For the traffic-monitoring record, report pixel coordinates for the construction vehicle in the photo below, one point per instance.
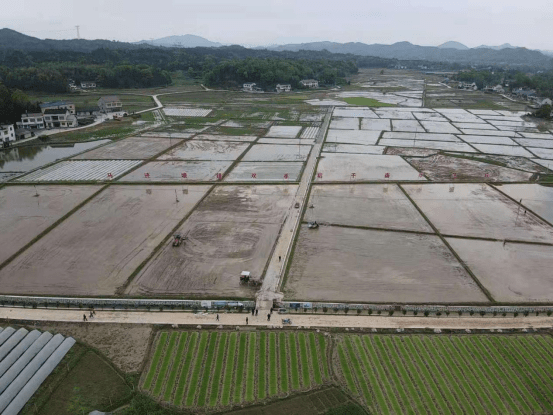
(312, 225)
(247, 278)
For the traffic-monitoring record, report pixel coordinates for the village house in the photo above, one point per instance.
(248, 86)
(498, 89)
(7, 134)
(23, 133)
(58, 105)
(62, 118)
(309, 83)
(88, 85)
(34, 121)
(468, 87)
(110, 103)
(525, 94)
(283, 87)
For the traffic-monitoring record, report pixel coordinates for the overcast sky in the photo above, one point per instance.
(259, 22)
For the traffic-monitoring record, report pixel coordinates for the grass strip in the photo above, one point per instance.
(442, 353)
(426, 393)
(294, 368)
(239, 378)
(160, 348)
(250, 370)
(324, 359)
(441, 379)
(283, 352)
(216, 377)
(206, 369)
(346, 370)
(485, 383)
(511, 370)
(306, 379)
(379, 400)
(518, 406)
(165, 364)
(170, 385)
(183, 377)
(262, 369)
(383, 380)
(273, 371)
(423, 370)
(229, 369)
(195, 375)
(416, 404)
(315, 359)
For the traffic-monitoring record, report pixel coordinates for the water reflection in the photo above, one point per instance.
(21, 159)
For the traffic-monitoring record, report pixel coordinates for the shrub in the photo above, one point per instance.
(460, 313)
(391, 312)
(404, 312)
(471, 312)
(439, 313)
(447, 313)
(325, 309)
(549, 313)
(504, 314)
(515, 314)
(495, 313)
(482, 313)
(426, 313)
(379, 312)
(346, 310)
(415, 312)
(335, 309)
(526, 314)
(370, 311)
(359, 311)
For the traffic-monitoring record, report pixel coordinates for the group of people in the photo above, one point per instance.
(92, 314)
(255, 312)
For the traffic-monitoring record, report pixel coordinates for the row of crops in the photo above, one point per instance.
(222, 369)
(448, 374)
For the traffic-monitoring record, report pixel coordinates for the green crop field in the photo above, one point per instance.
(367, 102)
(221, 369)
(476, 374)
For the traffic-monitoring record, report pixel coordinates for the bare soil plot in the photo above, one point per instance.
(222, 137)
(283, 131)
(233, 230)
(96, 249)
(512, 272)
(481, 126)
(545, 163)
(534, 196)
(352, 148)
(439, 127)
(420, 136)
(358, 265)
(534, 142)
(312, 117)
(129, 148)
(503, 150)
(488, 139)
(442, 168)
(354, 112)
(277, 152)
(365, 205)
(23, 215)
(471, 131)
(262, 171)
(352, 137)
(172, 171)
(407, 125)
(476, 210)
(543, 153)
(345, 123)
(375, 124)
(340, 167)
(437, 145)
(206, 150)
(407, 151)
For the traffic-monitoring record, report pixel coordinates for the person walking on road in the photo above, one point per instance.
(217, 317)
(84, 317)
(256, 312)
(253, 311)
(269, 317)
(91, 314)
(246, 321)
(279, 258)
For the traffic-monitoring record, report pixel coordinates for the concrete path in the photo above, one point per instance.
(300, 320)
(279, 260)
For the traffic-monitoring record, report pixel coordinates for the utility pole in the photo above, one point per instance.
(78, 34)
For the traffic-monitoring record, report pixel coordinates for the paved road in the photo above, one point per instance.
(314, 321)
(277, 264)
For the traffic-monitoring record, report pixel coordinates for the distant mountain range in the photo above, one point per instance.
(452, 52)
(184, 41)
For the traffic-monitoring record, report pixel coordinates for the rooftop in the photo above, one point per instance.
(55, 104)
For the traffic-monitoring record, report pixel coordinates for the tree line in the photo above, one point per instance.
(13, 103)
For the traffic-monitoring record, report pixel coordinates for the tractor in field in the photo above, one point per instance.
(247, 278)
(312, 225)
(177, 240)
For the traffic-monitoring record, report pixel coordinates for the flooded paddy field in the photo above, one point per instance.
(277, 152)
(543, 153)
(441, 168)
(206, 150)
(439, 127)
(437, 145)
(396, 114)
(129, 148)
(261, 171)
(536, 197)
(429, 116)
(534, 142)
(26, 158)
(96, 249)
(410, 151)
(473, 131)
(344, 123)
(364, 137)
(366, 167)
(26, 211)
(352, 148)
(233, 230)
(514, 272)
(407, 125)
(509, 150)
(375, 125)
(172, 171)
(292, 141)
(480, 126)
(543, 136)
(283, 131)
(477, 210)
(359, 265)
(366, 205)
(222, 137)
(420, 136)
(488, 139)
(354, 112)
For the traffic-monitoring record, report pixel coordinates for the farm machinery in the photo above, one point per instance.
(247, 278)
